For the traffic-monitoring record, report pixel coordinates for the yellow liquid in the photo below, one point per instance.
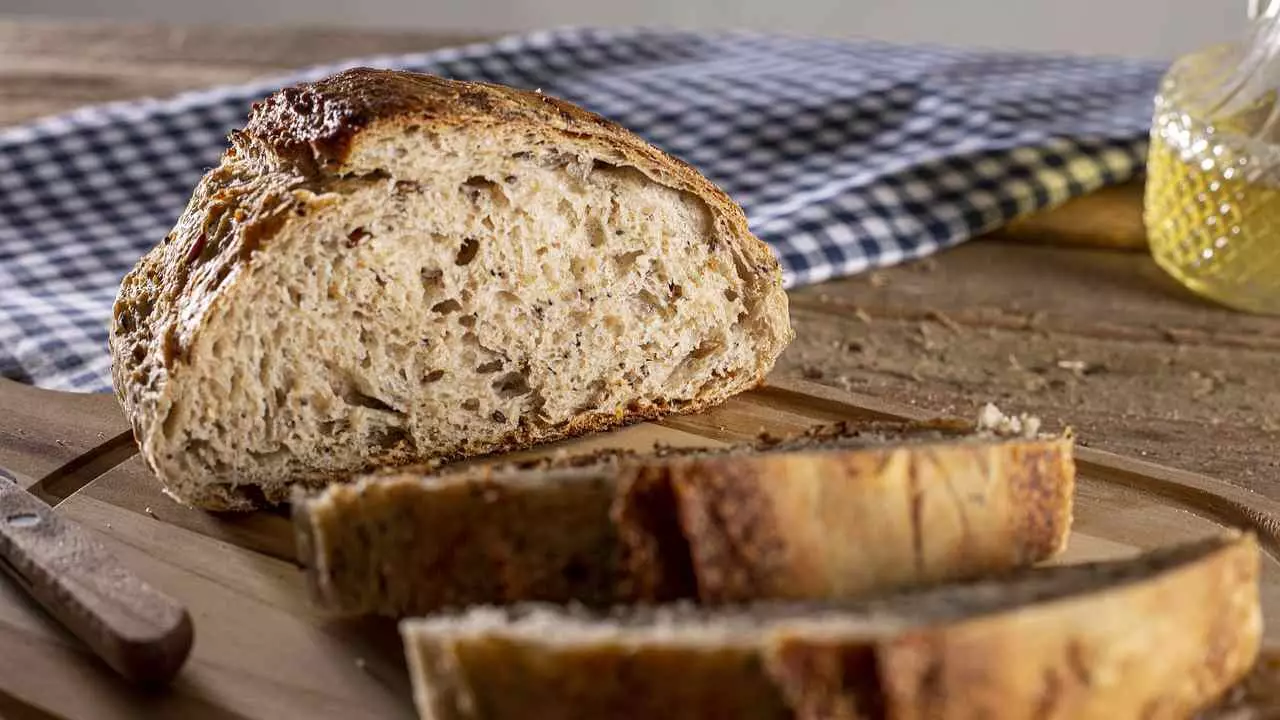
(1212, 215)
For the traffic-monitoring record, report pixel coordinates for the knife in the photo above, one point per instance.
(140, 632)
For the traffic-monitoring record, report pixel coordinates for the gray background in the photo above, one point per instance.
(1136, 28)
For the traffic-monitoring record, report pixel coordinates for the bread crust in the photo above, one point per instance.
(1164, 647)
(724, 526)
(1142, 639)
(304, 139)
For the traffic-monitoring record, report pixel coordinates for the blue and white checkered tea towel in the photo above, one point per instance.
(845, 155)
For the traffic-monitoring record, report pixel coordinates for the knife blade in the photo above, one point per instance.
(140, 632)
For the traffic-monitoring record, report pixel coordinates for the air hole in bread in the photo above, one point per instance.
(492, 366)
(730, 295)
(444, 307)
(412, 129)
(596, 233)
(497, 416)
(706, 349)
(357, 236)
(627, 260)
(471, 404)
(467, 321)
(614, 325)
(479, 182)
(364, 400)
(651, 303)
(597, 391)
(433, 376)
(467, 252)
(513, 384)
(391, 436)
(126, 322)
(578, 267)
(432, 279)
(223, 273)
(509, 297)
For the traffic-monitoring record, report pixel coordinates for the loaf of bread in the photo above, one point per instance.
(838, 511)
(389, 267)
(1157, 636)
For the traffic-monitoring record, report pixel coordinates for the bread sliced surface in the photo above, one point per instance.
(1161, 636)
(389, 267)
(1155, 636)
(844, 522)
(743, 522)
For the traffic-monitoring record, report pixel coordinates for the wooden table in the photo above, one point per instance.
(1062, 315)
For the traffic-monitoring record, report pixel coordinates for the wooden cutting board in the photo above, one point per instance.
(260, 651)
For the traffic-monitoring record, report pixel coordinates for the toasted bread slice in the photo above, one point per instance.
(1157, 636)
(839, 511)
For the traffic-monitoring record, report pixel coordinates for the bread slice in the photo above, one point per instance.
(1153, 637)
(388, 267)
(838, 511)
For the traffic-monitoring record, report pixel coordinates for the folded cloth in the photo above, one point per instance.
(845, 156)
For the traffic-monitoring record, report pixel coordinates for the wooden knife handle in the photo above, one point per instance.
(140, 632)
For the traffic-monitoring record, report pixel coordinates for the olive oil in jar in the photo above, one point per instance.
(1212, 206)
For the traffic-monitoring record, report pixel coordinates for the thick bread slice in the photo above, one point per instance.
(1153, 637)
(839, 511)
(389, 267)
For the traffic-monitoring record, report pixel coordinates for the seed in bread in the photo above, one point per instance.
(388, 267)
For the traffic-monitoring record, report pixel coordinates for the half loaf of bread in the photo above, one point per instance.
(388, 267)
(1153, 637)
(839, 511)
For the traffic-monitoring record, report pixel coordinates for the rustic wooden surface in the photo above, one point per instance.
(262, 651)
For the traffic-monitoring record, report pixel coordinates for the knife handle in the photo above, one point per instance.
(140, 632)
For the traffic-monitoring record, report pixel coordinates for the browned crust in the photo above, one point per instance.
(722, 525)
(1160, 648)
(842, 523)
(297, 143)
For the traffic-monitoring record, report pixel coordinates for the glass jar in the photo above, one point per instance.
(1212, 206)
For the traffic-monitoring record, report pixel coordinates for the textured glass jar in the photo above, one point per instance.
(1212, 207)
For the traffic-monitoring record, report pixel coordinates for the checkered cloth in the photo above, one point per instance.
(845, 156)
